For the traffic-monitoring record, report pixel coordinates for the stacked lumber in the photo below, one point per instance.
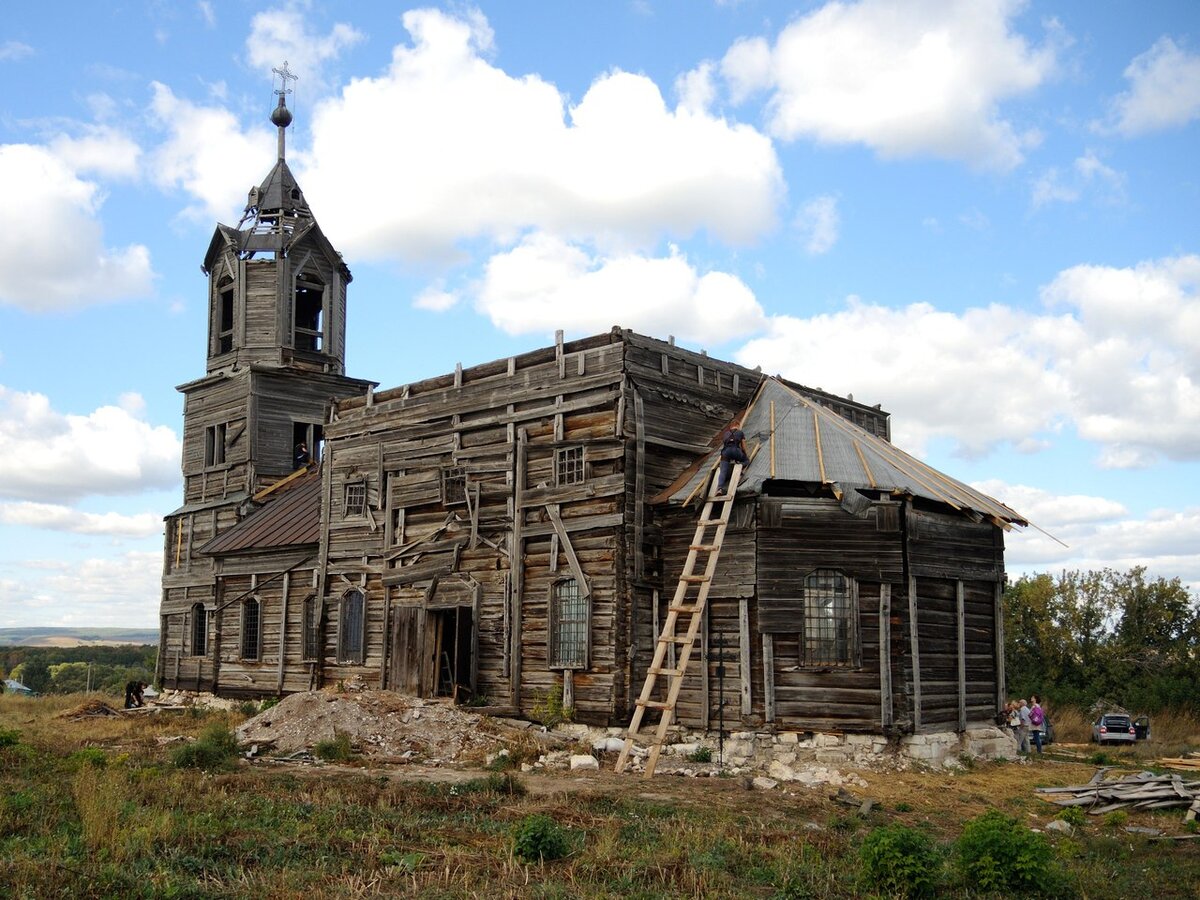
(1191, 761)
(1144, 790)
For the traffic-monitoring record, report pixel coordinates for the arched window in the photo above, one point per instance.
(251, 628)
(569, 625)
(830, 620)
(351, 627)
(199, 630)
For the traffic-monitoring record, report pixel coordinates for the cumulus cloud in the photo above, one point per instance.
(545, 284)
(52, 456)
(207, 154)
(907, 79)
(471, 151)
(1164, 91)
(47, 205)
(54, 517)
(121, 590)
(286, 34)
(100, 149)
(1115, 356)
(818, 224)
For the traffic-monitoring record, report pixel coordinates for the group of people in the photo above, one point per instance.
(1027, 720)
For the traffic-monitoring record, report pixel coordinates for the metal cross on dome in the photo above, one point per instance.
(285, 75)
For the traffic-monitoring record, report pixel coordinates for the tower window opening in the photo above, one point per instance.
(225, 323)
(214, 445)
(312, 437)
(310, 300)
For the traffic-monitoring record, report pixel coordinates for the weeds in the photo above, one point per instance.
(549, 710)
(9, 737)
(997, 853)
(539, 838)
(337, 749)
(899, 860)
(215, 749)
(700, 755)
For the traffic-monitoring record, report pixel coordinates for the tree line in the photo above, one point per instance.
(1119, 637)
(64, 670)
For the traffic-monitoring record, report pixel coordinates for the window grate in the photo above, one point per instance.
(568, 626)
(199, 630)
(350, 632)
(312, 625)
(454, 486)
(251, 610)
(828, 638)
(568, 465)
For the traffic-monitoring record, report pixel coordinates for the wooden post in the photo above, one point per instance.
(915, 644)
(998, 610)
(744, 652)
(639, 489)
(517, 567)
(568, 695)
(768, 642)
(705, 700)
(885, 655)
(960, 619)
(283, 615)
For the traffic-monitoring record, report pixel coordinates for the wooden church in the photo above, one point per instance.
(513, 532)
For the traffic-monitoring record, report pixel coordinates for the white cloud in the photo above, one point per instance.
(55, 517)
(907, 79)
(47, 207)
(545, 284)
(12, 50)
(207, 13)
(114, 591)
(1117, 357)
(101, 149)
(695, 89)
(284, 33)
(1164, 91)
(1088, 173)
(207, 154)
(818, 224)
(51, 456)
(1053, 511)
(471, 151)
(436, 298)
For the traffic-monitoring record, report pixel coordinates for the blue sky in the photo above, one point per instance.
(981, 215)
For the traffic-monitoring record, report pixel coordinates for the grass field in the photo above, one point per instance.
(98, 808)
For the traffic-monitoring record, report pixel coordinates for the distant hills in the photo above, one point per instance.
(75, 637)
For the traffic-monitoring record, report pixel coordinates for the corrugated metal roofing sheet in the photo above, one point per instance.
(795, 439)
(291, 518)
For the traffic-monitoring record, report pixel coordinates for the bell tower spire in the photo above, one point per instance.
(281, 116)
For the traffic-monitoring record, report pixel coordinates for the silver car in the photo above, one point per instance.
(1115, 728)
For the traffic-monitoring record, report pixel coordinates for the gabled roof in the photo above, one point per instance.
(291, 518)
(792, 438)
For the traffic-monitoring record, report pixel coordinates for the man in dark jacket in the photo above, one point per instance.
(133, 694)
(733, 449)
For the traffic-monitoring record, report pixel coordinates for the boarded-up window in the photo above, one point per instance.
(355, 500)
(828, 638)
(251, 630)
(454, 486)
(568, 465)
(312, 628)
(214, 445)
(569, 615)
(351, 628)
(199, 630)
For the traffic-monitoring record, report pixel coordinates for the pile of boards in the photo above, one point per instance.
(1145, 790)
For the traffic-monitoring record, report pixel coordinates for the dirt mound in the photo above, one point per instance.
(378, 723)
(90, 709)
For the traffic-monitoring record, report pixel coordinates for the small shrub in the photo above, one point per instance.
(1116, 818)
(1100, 758)
(1073, 815)
(502, 762)
(405, 862)
(549, 710)
(89, 756)
(997, 853)
(216, 748)
(903, 806)
(336, 750)
(898, 860)
(9, 737)
(700, 755)
(268, 704)
(539, 838)
(505, 783)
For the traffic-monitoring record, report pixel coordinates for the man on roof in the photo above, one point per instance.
(733, 450)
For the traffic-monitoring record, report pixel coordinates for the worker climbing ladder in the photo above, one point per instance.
(703, 547)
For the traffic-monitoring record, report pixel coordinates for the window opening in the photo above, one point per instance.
(350, 630)
(251, 614)
(310, 303)
(454, 486)
(355, 501)
(568, 465)
(225, 323)
(214, 445)
(312, 437)
(568, 626)
(828, 638)
(199, 630)
(312, 625)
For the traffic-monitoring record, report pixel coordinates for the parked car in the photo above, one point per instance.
(1114, 728)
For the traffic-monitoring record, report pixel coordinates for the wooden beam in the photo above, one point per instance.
(768, 644)
(885, 655)
(639, 488)
(998, 647)
(705, 698)
(283, 614)
(518, 567)
(960, 619)
(568, 694)
(572, 560)
(744, 653)
(915, 644)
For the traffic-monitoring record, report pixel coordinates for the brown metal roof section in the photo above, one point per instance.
(291, 518)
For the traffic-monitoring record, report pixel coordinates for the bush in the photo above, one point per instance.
(539, 838)
(505, 783)
(549, 710)
(89, 756)
(9, 737)
(700, 755)
(997, 853)
(1073, 815)
(898, 860)
(216, 748)
(336, 750)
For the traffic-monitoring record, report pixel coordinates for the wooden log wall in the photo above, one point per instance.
(951, 546)
(217, 401)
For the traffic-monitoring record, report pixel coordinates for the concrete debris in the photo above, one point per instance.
(583, 761)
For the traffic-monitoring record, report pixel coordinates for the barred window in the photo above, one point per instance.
(351, 627)
(199, 630)
(568, 465)
(355, 500)
(251, 632)
(312, 627)
(829, 620)
(569, 626)
(454, 486)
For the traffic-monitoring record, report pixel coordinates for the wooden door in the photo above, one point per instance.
(407, 645)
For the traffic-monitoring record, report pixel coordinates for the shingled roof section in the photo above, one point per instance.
(292, 518)
(799, 440)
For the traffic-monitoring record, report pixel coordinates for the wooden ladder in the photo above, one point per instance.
(701, 545)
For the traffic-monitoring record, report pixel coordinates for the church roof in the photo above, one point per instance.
(792, 438)
(291, 518)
